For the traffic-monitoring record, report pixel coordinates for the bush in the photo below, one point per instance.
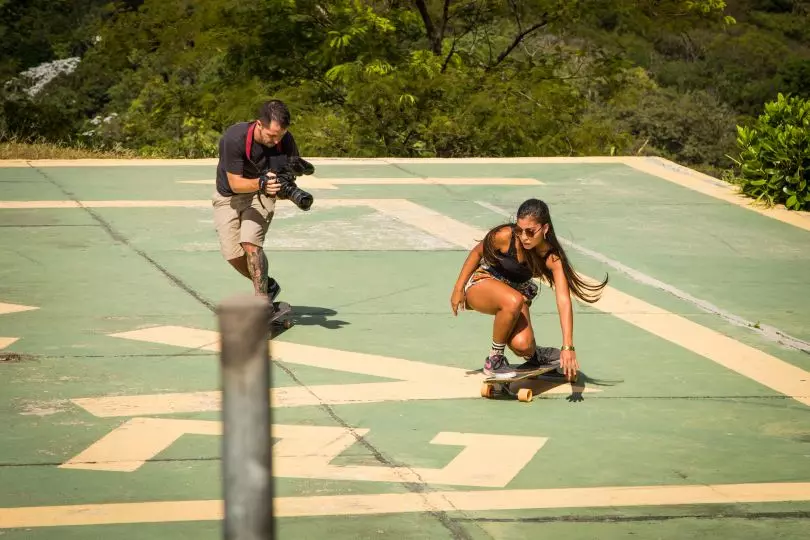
(774, 159)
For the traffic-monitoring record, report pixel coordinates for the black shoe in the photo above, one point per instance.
(273, 289)
(542, 356)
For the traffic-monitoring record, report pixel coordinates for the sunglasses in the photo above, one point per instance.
(531, 233)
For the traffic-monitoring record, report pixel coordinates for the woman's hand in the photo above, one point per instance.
(568, 363)
(457, 300)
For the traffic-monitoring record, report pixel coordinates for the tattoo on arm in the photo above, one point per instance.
(257, 265)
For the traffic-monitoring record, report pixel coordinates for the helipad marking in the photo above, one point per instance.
(415, 380)
(307, 452)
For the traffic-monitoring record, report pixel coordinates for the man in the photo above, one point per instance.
(244, 203)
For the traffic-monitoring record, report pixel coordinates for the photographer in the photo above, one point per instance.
(245, 197)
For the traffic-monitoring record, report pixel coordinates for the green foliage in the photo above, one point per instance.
(774, 159)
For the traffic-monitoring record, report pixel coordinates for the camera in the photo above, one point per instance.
(286, 176)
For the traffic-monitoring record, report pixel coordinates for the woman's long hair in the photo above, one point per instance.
(537, 209)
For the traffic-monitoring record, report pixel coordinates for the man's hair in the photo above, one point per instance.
(275, 111)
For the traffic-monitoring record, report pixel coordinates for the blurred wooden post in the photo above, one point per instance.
(246, 443)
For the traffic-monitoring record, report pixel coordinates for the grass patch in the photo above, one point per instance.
(40, 150)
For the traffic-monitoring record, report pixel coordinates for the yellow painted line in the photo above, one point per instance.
(439, 181)
(307, 452)
(416, 380)
(707, 185)
(16, 163)
(25, 205)
(14, 308)
(761, 367)
(6, 341)
(396, 503)
(327, 394)
(314, 182)
(308, 355)
(203, 203)
(658, 167)
(430, 221)
(304, 182)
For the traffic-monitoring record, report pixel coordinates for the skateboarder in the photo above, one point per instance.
(496, 279)
(243, 202)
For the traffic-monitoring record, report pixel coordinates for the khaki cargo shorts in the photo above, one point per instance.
(244, 217)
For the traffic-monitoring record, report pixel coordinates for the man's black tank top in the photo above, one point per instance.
(508, 266)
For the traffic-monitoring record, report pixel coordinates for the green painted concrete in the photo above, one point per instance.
(664, 415)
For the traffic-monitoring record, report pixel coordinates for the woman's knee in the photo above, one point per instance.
(513, 303)
(522, 345)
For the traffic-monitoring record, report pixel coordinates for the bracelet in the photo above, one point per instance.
(567, 348)
(262, 183)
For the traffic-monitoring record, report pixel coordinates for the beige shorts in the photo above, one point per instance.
(244, 217)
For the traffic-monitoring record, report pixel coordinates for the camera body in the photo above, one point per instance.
(287, 175)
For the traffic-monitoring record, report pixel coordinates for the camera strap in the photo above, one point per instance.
(249, 141)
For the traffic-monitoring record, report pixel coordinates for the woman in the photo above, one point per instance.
(496, 279)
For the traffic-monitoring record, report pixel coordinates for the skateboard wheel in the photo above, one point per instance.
(288, 324)
(524, 394)
(486, 390)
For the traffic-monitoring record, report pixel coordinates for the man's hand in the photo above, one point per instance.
(272, 187)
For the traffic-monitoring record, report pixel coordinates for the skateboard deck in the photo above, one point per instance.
(281, 315)
(493, 386)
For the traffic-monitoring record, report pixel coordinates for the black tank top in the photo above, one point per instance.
(508, 266)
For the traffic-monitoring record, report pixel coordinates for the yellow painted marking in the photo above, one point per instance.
(415, 380)
(207, 162)
(761, 367)
(439, 181)
(307, 452)
(11, 308)
(395, 503)
(304, 182)
(430, 221)
(204, 203)
(14, 308)
(712, 187)
(315, 182)
(689, 178)
(6, 341)
(308, 355)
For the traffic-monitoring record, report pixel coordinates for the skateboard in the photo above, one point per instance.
(281, 315)
(493, 386)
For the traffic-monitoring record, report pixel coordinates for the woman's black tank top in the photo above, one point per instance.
(508, 266)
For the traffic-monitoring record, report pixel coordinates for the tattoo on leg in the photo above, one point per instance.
(257, 264)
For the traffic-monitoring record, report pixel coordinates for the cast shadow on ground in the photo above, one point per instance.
(311, 316)
(316, 316)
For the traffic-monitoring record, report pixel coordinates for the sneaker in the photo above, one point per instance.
(548, 354)
(498, 367)
(273, 289)
(545, 355)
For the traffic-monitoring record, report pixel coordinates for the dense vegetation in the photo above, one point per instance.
(411, 77)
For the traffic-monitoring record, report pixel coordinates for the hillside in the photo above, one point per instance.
(405, 78)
